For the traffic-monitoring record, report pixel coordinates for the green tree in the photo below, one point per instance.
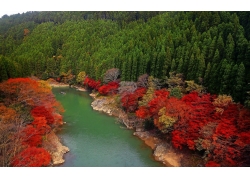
(3, 71)
(240, 82)
(229, 48)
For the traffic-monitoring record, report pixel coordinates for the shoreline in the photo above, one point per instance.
(54, 146)
(52, 143)
(162, 150)
(53, 83)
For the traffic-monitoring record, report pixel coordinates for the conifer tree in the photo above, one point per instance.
(240, 82)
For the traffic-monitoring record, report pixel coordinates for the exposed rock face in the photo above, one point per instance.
(106, 105)
(163, 151)
(55, 148)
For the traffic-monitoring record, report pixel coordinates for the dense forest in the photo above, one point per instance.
(211, 48)
(182, 73)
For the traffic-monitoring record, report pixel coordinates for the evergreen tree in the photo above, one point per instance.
(229, 48)
(240, 82)
(3, 71)
(207, 75)
(225, 81)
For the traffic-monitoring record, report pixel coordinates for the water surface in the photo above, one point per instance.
(96, 139)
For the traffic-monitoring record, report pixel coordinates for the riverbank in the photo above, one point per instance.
(54, 83)
(162, 150)
(52, 143)
(54, 146)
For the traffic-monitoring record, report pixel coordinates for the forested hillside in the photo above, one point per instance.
(211, 48)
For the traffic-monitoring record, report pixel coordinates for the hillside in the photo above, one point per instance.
(211, 48)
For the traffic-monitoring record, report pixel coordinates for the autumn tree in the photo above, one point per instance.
(109, 89)
(32, 157)
(127, 87)
(111, 75)
(143, 81)
(80, 77)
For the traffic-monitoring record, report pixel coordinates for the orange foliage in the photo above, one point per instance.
(7, 114)
(37, 95)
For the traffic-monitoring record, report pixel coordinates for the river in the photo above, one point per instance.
(96, 139)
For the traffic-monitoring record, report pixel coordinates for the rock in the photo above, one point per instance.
(165, 153)
(55, 148)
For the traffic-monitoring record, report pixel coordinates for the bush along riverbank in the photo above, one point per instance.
(178, 119)
(162, 150)
(29, 118)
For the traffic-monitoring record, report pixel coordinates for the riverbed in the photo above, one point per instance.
(96, 139)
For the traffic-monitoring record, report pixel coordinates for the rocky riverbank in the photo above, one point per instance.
(53, 145)
(163, 151)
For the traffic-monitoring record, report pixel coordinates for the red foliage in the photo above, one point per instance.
(160, 100)
(177, 139)
(58, 79)
(191, 144)
(225, 134)
(245, 137)
(243, 122)
(41, 111)
(130, 101)
(212, 164)
(140, 92)
(193, 117)
(37, 95)
(226, 129)
(32, 157)
(92, 83)
(110, 88)
(41, 125)
(142, 112)
(31, 136)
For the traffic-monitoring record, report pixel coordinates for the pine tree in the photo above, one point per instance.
(207, 74)
(216, 58)
(225, 81)
(3, 71)
(229, 48)
(240, 83)
(191, 68)
(180, 66)
(220, 46)
(167, 62)
(201, 67)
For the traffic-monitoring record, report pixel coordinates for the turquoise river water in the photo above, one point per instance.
(96, 139)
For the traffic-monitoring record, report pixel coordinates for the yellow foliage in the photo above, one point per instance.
(192, 86)
(166, 122)
(44, 86)
(162, 111)
(80, 77)
(222, 101)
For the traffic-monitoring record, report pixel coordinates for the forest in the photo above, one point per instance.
(28, 113)
(184, 74)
